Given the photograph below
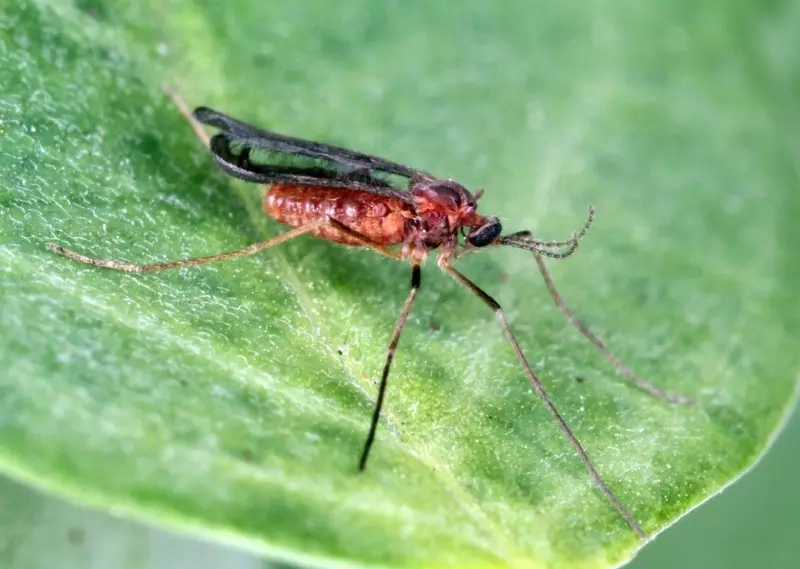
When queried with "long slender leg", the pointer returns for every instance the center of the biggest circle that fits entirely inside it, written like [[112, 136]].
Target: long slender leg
[[365, 241], [416, 277], [539, 388], [183, 108], [246, 251], [133, 268], [625, 370]]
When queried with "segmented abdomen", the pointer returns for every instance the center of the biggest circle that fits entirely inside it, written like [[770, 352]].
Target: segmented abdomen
[[383, 220]]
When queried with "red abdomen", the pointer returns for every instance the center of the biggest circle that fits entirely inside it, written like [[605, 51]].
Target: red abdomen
[[383, 220]]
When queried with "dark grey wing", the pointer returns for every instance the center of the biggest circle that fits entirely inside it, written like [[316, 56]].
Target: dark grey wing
[[254, 137], [238, 160]]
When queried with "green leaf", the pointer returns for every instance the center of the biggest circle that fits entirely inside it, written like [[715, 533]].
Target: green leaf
[[232, 400]]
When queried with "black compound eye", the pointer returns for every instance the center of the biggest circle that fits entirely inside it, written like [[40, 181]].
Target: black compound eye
[[486, 233]]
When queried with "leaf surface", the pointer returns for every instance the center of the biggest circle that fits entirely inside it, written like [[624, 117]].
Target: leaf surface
[[233, 399]]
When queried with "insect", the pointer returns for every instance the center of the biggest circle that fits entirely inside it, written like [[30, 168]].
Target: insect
[[355, 199]]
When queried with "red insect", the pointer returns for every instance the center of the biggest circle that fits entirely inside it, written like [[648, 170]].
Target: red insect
[[352, 198]]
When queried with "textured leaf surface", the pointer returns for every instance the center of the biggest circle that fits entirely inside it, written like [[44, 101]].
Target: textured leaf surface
[[233, 399]]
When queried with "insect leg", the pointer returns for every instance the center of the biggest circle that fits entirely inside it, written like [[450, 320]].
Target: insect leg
[[365, 241], [416, 276], [133, 268], [187, 114], [621, 367], [539, 388]]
